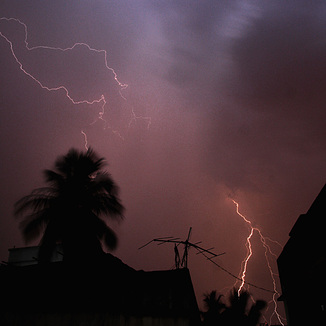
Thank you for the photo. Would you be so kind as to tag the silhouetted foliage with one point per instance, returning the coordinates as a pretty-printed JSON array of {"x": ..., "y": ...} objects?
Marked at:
[
  {"x": 214, "y": 308},
  {"x": 70, "y": 210},
  {"x": 237, "y": 313}
]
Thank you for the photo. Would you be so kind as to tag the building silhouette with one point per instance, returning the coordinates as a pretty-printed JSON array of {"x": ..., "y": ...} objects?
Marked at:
[
  {"x": 107, "y": 292},
  {"x": 302, "y": 267}
]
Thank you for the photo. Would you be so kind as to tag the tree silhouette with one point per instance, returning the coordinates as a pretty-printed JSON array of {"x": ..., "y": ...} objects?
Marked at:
[
  {"x": 237, "y": 313},
  {"x": 70, "y": 210},
  {"x": 214, "y": 308}
]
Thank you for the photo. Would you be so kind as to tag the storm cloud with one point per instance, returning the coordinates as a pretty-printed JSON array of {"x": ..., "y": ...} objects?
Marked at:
[{"x": 225, "y": 99}]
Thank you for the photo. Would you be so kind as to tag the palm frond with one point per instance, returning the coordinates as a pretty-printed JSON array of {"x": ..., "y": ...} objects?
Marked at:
[
  {"x": 44, "y": 190},
  {"x": 108, "y": 206},
  {"x": 98, "y": 162},
  {"x": 104, "y": 232},
  {"x": 53, "y": 177},
  {"x": 104, "y": 182},
  {"x": 110, "y": 239},
  {"x": 35, "y": 201},
  {"x": 65, "y": 164},
  {"x": 33, "y": 225}
]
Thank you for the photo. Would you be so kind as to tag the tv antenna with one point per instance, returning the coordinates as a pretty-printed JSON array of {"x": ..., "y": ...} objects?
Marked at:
[
  {"x": 207, "y": 253},
  {"x": 182, "y": 262}
]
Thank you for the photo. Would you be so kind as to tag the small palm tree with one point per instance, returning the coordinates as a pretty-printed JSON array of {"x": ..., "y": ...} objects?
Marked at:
[
  {"x": 236, "y": 313},
  {"x": 214, "y": 308},
  {"x": 70, "y": 209}
]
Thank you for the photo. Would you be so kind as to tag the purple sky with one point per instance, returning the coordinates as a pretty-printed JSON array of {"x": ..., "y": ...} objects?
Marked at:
[{"x": 235, "y": 95}]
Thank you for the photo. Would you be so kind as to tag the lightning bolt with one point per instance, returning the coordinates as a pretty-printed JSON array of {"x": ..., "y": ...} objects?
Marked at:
[
  {"x": 268, "y": 252},
  {"x": 135, "y": 118},
  {"x": 85, "y": 139},
  {"x": 98, "y": 100}
]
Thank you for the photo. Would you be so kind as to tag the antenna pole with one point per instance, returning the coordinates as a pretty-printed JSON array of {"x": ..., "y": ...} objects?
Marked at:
[
  {"x": 176, "y": 256},
  {"x": 183, "y": 263}
]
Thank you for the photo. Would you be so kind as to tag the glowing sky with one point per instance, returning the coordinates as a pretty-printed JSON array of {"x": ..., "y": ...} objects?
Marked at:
[{"x": 235, "y": 93}]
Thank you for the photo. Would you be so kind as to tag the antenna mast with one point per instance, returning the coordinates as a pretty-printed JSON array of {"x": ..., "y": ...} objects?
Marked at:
[{"x": 183, "y": 262}]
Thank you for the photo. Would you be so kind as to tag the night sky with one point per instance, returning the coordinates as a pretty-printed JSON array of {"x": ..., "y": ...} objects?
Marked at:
[{"x": 225, "y": 100}]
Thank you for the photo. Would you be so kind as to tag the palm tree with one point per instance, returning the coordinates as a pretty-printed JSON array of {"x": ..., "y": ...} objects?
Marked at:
[
  {"x": 214, "y": 308},
  {"x": 236, "y": 313},
  {"x": 70, "y": 210}
]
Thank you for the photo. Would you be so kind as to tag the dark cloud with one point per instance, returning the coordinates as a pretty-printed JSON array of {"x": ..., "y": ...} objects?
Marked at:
[
  {"x": 280, "y": 58},
  {"x": 234, "y": 93},
  {"x": 191, "y": 38},
  {"x": 266, "y": 120}
]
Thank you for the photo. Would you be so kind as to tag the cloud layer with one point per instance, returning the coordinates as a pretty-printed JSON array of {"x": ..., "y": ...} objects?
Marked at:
[{"x": 225, "y": 100}]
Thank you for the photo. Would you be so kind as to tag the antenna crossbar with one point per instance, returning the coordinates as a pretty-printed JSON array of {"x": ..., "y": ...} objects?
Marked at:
[
  {"x": 207, "y": 253},
  {"x": 183, "y": 262}
]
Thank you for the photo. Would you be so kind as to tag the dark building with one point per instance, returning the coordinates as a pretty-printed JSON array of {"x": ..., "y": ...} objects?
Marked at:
[
  {"x": 107, "y": 292},
  {"x": 302, "y": 267}
]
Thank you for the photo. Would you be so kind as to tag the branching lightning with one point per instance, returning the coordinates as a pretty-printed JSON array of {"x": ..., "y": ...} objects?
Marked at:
[
  {"x": 268, "y": 252},
  {"x": 133, "y": 119},
  {"x": 100, "y": 100}
]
